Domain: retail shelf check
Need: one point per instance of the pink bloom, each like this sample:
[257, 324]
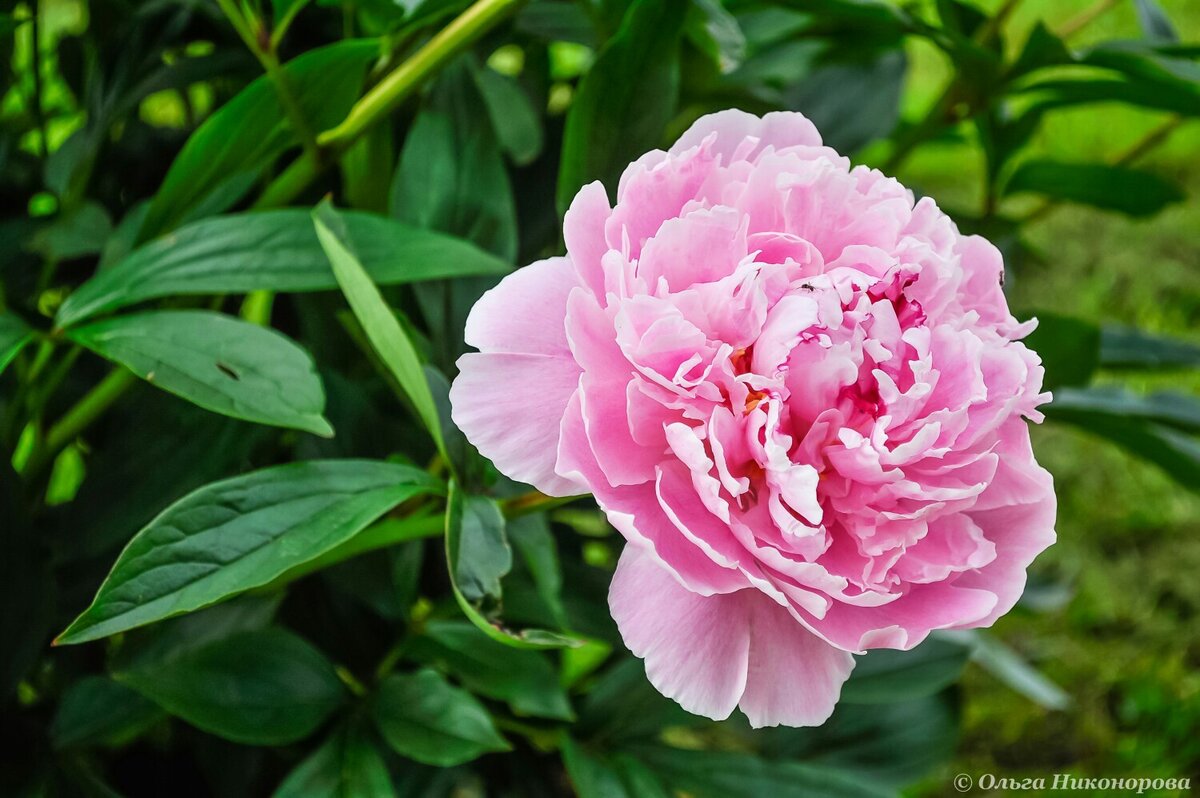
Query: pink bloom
[796, 392]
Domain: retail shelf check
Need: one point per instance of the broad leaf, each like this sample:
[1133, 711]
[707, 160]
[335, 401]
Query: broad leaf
[625, 100]
[239, 534]
[619, 776]
[347, 765]
[1115, 188]
[1156, 26]
[271, 251]
[483, 555]
[1132, 348]
[424, 718]
[99, 711]
[716, 774]
[525, 680]
[528, 638]
[14, 335]
[376, 318]
[218, 362]
[885, 676]
[1069, 348]
[246, 134]
[715, 32]
[514, 119]
[266, 687]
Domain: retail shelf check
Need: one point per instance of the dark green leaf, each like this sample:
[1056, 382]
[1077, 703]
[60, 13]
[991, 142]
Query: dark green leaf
[1131, 348]
[367, 169]
[525, 680]
[619, 776]
[218, 362]
[852, 102]
[271, 251]
[625, 100]
[884, 676]
[284, 10]
[1061, 93]
[265, 687]
[1042, 49]
[73, 235]
[1115, 188]
[483, 555]
[246, 134]
[514, 119]
[347, 765]
[716, 774]
[530, 536]
[424, 718]
[14, 335]
[624, 705]
[1069, 348]
[1173, 409]
[715, 32]
[377, 320]
[99, 711]
[528, 638]
[238, 534]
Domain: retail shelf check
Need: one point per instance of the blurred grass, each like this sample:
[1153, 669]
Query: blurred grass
[1126, 645]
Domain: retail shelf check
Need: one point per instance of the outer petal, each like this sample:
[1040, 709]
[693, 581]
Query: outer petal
[734, 127]
[695, 652]
[511, 408]
[795, 677]
[712, 653]
[510, 398]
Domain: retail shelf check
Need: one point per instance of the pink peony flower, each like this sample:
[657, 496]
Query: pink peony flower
[796, 392]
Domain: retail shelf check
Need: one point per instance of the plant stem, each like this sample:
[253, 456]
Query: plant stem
[80, 417]
[39, 116]
[1085, 18]
[532, 502]
[385, 97]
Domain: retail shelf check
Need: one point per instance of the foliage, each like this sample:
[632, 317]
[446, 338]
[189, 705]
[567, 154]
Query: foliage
[184, 323]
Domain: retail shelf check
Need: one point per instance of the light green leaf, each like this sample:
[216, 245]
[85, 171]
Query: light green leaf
[218, 362]
[347, 765]
[526, 680]
[1010, 668]
[245, 135]
[14, 335]
[528, 638]
[266, 687]
[376, 318]
[271, 251]
[424, 718]
[239, 534]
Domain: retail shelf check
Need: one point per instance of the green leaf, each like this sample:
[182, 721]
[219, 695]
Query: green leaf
[217, 362]
[525, 680]
[625, 100]
[1069, 348]
[376, 318]
[528, 638]
[347, 765]
[516, 123]
[1160, 429]
[99, 711]
[245, 135]
[716, 33]
[885, 676]
[266, 687]
[530, 536]
[718, 774]
[1115, 188]
[239, 534]
[75, 234]
[283, 11]
[1131, 348]
[483, 555]
[424, 718]
[616, 776]
[1155, 24]
[14, 335]
[1009, 667]
[271, 251]
[852, 101]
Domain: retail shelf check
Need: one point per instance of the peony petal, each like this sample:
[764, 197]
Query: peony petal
[511, 407]
[695, 651]
[795, 677]
[730, 129]
[525, 313]
[583, 231]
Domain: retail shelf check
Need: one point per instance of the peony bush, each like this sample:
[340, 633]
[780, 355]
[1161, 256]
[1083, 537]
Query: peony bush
[522, 398]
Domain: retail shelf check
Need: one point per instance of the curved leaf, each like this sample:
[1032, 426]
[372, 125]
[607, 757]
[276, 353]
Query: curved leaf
[239, 534]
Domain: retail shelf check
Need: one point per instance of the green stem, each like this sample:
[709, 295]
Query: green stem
[80, 417]
[533, 502]
[385, 97]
